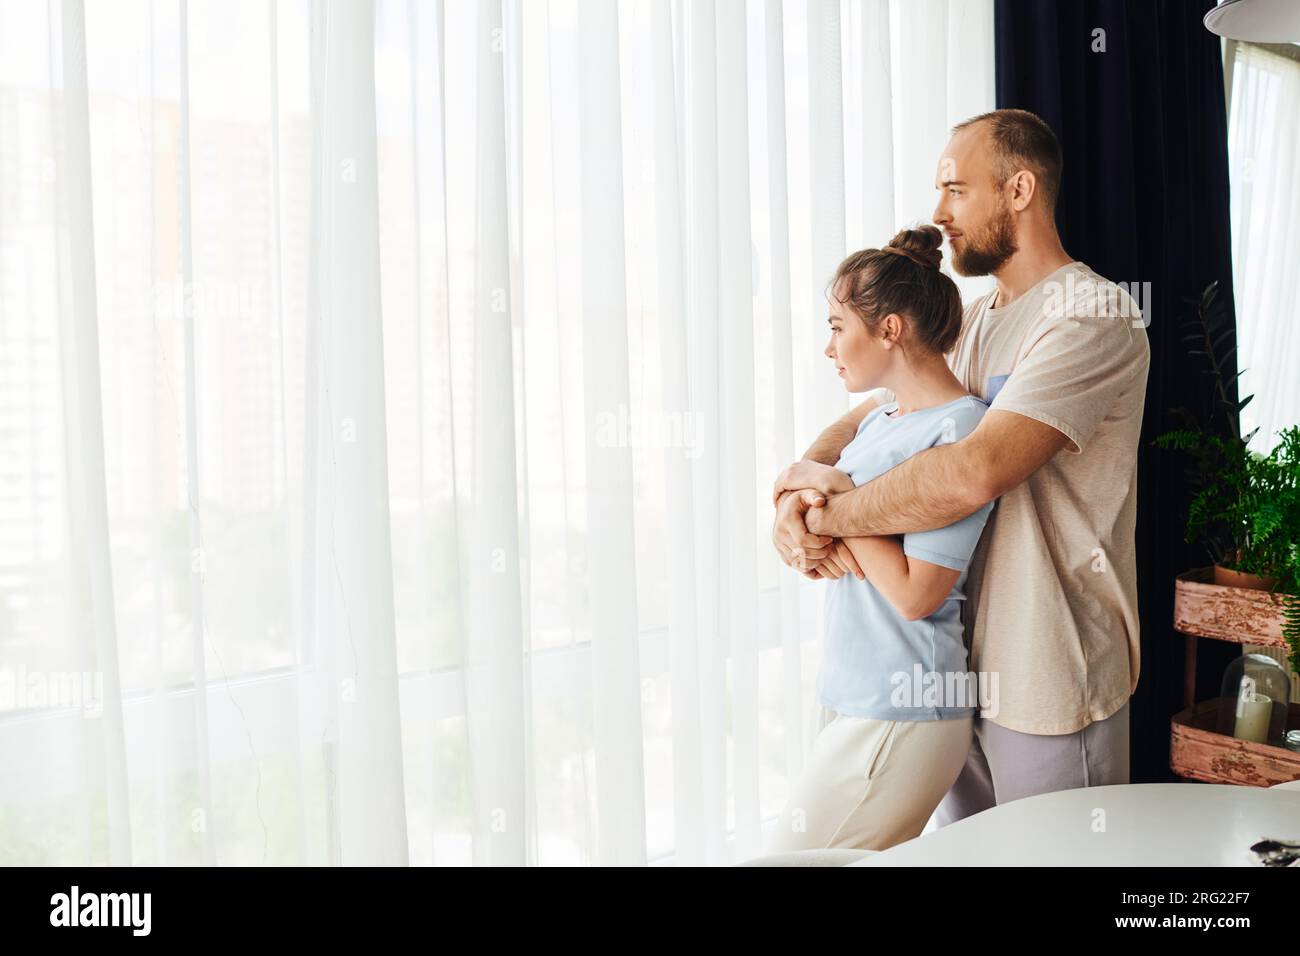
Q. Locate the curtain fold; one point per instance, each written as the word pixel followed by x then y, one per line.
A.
pixel 412 380
pixel 198 644
pixel 1264 150
pixel 92 617
pixel 700 148
pixel 737 428
pixel 776 278
pixel 669 278
pixel 356 588
pixel 826 207
pixel 494 659
pixel 615 659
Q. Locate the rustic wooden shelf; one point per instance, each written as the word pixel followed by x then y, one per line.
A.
pixel 1240 615
pixel 1197 750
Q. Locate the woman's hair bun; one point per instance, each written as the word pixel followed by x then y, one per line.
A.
pixel 874 283
pixel 920 244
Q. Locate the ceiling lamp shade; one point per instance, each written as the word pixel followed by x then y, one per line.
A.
pixel 1263 21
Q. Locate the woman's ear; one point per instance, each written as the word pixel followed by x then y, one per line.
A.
pixel 890 327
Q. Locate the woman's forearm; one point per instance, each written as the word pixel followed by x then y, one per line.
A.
pixel 915 588
pixel 882 560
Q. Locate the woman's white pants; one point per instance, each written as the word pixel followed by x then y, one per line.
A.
pixel 870 784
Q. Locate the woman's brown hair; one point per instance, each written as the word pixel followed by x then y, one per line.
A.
pixel 904 278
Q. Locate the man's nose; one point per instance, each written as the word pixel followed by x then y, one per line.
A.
pixel 941 217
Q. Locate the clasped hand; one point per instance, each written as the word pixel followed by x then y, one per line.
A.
pixel 799 488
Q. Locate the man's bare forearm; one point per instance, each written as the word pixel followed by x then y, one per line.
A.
pixel 930 490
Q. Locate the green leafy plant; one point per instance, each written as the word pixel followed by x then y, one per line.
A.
pixel 1246 506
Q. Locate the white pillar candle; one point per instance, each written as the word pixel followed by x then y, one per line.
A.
pixel 1253 714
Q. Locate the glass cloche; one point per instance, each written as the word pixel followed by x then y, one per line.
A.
pixel 1253 702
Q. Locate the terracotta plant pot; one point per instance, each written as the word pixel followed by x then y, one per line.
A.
pixel 1227 577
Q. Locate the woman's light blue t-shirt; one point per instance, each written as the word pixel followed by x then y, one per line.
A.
pixel 875 662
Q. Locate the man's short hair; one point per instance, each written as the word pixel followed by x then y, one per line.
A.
pixel 1021 140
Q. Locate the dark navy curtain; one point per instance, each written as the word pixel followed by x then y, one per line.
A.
pixel 1134 91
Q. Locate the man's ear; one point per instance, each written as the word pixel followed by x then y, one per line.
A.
pixel 1024 186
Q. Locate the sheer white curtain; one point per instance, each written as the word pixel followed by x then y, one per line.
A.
pixel 391 396
pixel 1264 160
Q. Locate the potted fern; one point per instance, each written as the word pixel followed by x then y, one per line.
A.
pixel 1245 510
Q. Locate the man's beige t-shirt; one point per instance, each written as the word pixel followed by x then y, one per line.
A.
pixel 1052 592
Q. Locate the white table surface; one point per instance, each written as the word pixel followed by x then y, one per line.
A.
pixel 1150 824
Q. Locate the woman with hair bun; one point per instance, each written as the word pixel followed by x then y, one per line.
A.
pixel 895 702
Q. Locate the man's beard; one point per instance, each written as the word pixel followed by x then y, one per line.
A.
pixel 995 245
